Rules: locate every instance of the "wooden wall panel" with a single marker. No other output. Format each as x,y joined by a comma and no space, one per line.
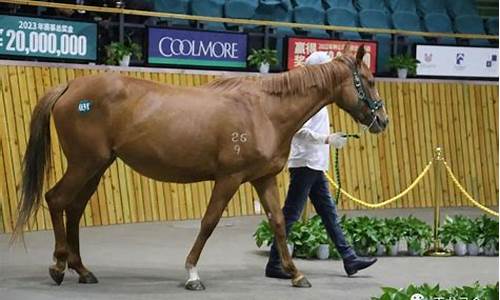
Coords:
461,117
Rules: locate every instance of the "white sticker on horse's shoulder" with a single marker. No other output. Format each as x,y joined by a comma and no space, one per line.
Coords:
84,106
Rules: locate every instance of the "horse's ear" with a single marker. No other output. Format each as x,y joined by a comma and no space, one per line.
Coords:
346,49
360,54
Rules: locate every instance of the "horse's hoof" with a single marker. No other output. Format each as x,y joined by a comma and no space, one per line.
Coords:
302,282
194,285
88,278
56,275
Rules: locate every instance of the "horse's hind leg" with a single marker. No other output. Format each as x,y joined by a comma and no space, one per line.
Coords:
74,213
58,199
223,190
267,189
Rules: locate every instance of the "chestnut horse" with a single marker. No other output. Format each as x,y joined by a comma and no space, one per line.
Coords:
231,130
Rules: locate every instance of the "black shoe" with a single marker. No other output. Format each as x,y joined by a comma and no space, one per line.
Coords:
276,271
352,266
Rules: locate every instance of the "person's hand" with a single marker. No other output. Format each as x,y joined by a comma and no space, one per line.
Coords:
337,139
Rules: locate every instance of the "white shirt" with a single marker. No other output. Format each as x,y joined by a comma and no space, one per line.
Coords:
308,145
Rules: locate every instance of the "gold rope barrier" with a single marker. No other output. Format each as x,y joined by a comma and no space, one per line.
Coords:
377,205
467,195
439,159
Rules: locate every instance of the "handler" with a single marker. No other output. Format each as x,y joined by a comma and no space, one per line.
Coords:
309,158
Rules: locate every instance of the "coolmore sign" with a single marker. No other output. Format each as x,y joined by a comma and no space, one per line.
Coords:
300,48
457,61
49,38
197,48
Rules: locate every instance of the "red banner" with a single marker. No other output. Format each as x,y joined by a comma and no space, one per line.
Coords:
300,48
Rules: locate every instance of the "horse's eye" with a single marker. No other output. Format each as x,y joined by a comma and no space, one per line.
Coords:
371,83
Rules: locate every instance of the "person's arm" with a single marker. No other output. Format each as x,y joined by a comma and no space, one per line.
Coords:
311,137
337,139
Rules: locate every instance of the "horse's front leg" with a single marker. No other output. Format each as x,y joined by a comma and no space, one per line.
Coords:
267,189
222,192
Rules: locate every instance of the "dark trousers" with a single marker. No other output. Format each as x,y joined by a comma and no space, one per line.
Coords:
308,182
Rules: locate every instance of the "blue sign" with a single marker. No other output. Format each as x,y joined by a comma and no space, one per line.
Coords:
197,48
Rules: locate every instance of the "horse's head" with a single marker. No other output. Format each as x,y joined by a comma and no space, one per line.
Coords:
359,96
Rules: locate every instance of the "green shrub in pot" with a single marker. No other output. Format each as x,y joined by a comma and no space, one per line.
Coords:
303,238
395,232
404,64
426,291
455,231
119,53
417,234
474,238
263,59
488,234
362,234
263,234
320,246
383,234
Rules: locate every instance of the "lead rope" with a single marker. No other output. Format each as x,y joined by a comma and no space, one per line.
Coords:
362,130
337,176
337,169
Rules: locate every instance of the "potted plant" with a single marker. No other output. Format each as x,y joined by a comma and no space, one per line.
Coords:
404,64
120,53
263,59
417,234
474,238
454,231
383,235
300,237
319,241
394,234
263,234
426,291
381,250
488,232
362,234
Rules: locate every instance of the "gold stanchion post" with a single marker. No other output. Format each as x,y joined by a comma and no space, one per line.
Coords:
438,161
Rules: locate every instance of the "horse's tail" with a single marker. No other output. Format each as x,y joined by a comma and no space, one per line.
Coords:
36,157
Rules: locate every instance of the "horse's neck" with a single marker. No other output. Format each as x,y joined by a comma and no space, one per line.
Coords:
312,89
291,112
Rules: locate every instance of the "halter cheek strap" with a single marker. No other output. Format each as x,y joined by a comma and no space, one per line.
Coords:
373,104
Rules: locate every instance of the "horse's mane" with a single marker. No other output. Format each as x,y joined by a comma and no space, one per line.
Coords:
296,81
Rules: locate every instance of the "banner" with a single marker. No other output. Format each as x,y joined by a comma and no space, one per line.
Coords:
451,61
49,38
300,48
197,48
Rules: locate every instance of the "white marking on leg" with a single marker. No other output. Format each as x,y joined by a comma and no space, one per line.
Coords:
192,274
